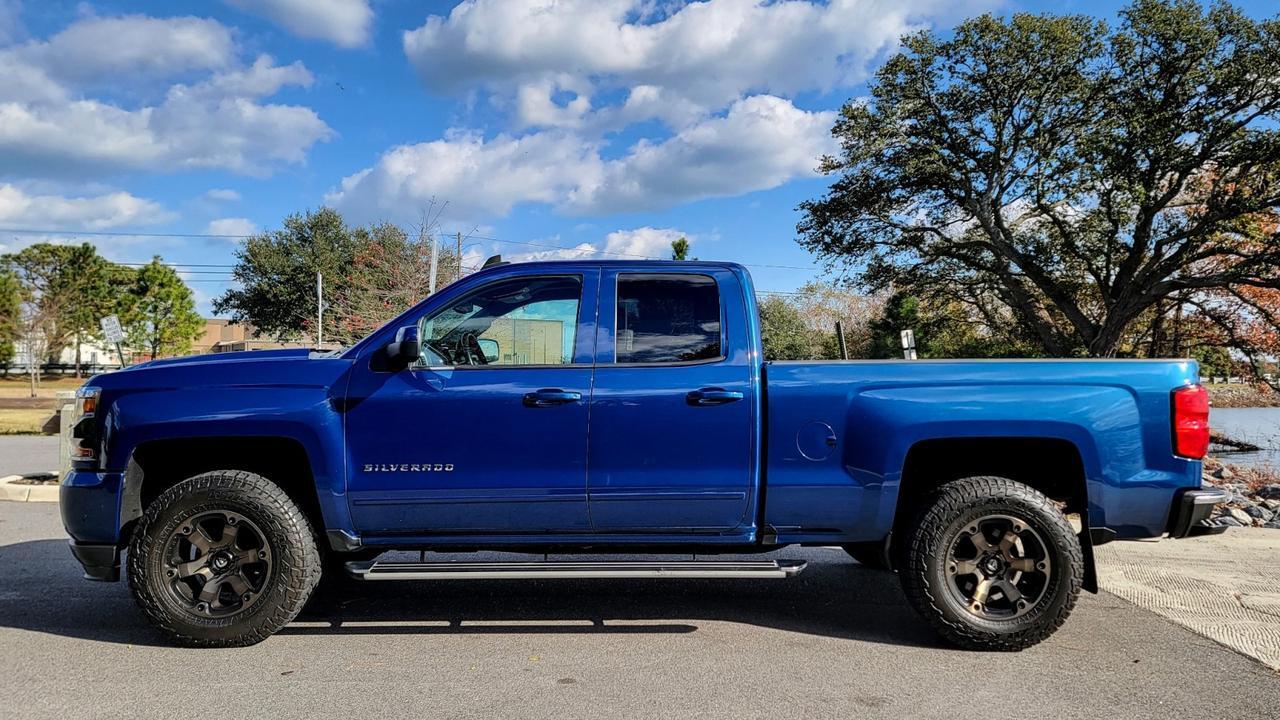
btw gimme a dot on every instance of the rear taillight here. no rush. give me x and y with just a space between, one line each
1191 422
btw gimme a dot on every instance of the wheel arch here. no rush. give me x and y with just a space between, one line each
1054 466
156 465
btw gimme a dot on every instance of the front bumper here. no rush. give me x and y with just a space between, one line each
90 506
100 562
1191 512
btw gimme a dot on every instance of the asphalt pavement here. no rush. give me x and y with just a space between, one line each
837 641
21 454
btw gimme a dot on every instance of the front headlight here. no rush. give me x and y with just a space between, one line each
84 440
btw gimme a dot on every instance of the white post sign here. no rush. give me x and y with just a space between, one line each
114 333
111 329
908 345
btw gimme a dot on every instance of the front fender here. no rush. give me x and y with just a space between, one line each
304 415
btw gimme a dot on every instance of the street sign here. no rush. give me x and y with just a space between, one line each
908 345
114 333
111 328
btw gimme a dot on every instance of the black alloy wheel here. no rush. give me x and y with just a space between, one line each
218 563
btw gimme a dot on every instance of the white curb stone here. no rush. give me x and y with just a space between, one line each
26 493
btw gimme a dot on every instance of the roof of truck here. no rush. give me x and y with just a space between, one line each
642 262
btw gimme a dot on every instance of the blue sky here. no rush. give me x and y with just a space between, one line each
596 125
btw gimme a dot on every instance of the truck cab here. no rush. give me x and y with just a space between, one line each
569 401
621 406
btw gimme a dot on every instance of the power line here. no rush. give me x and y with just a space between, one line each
116 233
596 251
174 264
230 236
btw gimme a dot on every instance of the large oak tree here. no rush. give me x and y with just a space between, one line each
1067 178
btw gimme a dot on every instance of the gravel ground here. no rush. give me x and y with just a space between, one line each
837 641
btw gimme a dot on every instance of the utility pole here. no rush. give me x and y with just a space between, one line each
844 349
459 251
319 310
435 259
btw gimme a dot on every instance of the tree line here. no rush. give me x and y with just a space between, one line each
1030 186
369 275
1051 185
53 296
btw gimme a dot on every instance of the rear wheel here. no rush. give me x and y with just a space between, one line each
222 559
993 564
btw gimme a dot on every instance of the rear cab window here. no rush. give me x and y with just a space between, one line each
667 318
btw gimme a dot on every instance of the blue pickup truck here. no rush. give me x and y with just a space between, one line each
621 408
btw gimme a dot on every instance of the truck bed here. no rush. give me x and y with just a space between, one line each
840 435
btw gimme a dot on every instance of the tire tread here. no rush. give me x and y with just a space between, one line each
298 563
947 503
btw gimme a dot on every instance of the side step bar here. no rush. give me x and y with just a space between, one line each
571 569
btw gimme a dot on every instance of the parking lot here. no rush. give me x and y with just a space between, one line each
838 641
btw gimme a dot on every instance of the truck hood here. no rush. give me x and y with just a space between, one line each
294 367
227 357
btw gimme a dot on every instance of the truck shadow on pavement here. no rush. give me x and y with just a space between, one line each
41 590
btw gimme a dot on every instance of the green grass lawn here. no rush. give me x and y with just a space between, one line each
22 421
19 386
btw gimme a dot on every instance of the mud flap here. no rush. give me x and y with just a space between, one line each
1090 580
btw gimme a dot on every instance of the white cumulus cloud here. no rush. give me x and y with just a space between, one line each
643 242
222 195
476 177
50 126
648 242
345 23
701 54
760 143
97 49
234 228
19 208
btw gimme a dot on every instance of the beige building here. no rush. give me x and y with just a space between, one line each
524 342
221 335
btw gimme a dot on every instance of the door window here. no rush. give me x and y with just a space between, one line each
522 321
667 319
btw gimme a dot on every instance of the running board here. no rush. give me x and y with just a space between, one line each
570 569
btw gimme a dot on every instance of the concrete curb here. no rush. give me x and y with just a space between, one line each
26 493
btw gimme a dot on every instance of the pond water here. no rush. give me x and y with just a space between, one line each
1257 426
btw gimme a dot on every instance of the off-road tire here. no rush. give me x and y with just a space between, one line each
924 573
291 577
869 555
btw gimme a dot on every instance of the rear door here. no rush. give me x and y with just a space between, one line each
672 446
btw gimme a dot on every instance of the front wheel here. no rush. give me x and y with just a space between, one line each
992 564
222 559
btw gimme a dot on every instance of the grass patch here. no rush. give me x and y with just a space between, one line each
23 421
19 386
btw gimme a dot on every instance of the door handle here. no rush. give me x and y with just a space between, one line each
713 396
550 397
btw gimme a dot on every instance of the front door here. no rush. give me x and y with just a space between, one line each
673 414
487 432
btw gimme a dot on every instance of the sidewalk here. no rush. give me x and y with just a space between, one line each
1224 587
